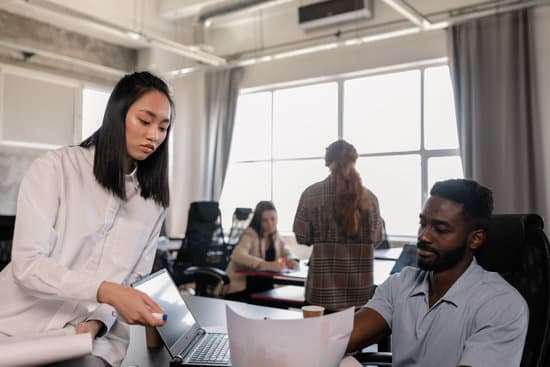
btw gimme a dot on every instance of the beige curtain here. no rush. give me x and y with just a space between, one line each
222 92
493 71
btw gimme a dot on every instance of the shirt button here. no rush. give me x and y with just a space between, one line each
113 313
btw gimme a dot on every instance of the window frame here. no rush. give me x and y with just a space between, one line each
425 154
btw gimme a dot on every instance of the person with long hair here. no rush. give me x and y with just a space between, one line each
88 219
341 220
260 248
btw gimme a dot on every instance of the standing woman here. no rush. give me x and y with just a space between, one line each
88 219
260 248
341 220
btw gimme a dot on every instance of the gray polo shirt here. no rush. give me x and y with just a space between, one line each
480 321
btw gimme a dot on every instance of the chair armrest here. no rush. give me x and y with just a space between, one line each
208 271
374 359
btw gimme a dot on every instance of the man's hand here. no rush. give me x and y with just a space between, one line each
90 326
134 306
369 327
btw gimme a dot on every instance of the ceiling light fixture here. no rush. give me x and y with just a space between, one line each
134 36
305 51
180 72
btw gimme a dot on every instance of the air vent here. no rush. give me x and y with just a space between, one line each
327 13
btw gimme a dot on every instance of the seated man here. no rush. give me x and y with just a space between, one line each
450 311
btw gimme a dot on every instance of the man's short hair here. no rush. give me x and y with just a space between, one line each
477 200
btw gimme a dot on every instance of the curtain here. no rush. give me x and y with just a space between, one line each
222 91
492 67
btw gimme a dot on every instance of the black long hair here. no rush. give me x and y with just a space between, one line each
110 142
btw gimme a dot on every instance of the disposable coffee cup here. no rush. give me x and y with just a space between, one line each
313 311
152 337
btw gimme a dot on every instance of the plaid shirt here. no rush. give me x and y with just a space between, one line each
341 266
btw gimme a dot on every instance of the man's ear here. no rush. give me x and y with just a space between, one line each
477 239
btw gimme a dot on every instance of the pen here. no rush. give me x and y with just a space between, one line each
160 316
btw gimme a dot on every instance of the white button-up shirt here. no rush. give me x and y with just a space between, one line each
71 234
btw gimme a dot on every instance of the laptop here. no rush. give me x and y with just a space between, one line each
186 341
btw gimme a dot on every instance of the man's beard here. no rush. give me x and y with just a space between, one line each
443 261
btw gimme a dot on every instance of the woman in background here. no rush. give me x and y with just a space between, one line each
341 220
87 224
260 248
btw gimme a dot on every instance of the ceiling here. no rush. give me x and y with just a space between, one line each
233 27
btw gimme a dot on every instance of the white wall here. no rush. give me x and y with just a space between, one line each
38 108
187 158
38 112
542 52
407 49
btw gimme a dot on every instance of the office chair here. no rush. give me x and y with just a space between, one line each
7 225
210 278
203 245
518 249
241 219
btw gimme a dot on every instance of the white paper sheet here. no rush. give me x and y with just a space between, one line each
315 341
44 348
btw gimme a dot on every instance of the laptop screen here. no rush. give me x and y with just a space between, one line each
162 290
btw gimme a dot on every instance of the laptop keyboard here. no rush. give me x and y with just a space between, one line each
213 351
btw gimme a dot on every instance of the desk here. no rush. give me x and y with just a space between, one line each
282 297
288 277
391 254
209 312
382 269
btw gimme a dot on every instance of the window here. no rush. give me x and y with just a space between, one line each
402 124
93 107
50 122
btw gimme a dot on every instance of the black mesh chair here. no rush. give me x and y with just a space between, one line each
205 253
241 219
203 245
518 249
7 225
210 278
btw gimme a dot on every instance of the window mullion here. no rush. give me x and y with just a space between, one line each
423 152
271 159
340 109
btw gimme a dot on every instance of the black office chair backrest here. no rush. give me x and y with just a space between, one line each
241 219
7 225
518 249
203 244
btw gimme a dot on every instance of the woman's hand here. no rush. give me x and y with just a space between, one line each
91 326
134 306
292 264
275 266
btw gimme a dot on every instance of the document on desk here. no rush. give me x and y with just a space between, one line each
44 348
315 341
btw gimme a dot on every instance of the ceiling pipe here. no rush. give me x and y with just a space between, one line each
216 13
409 12
190 52
68 59
393 33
